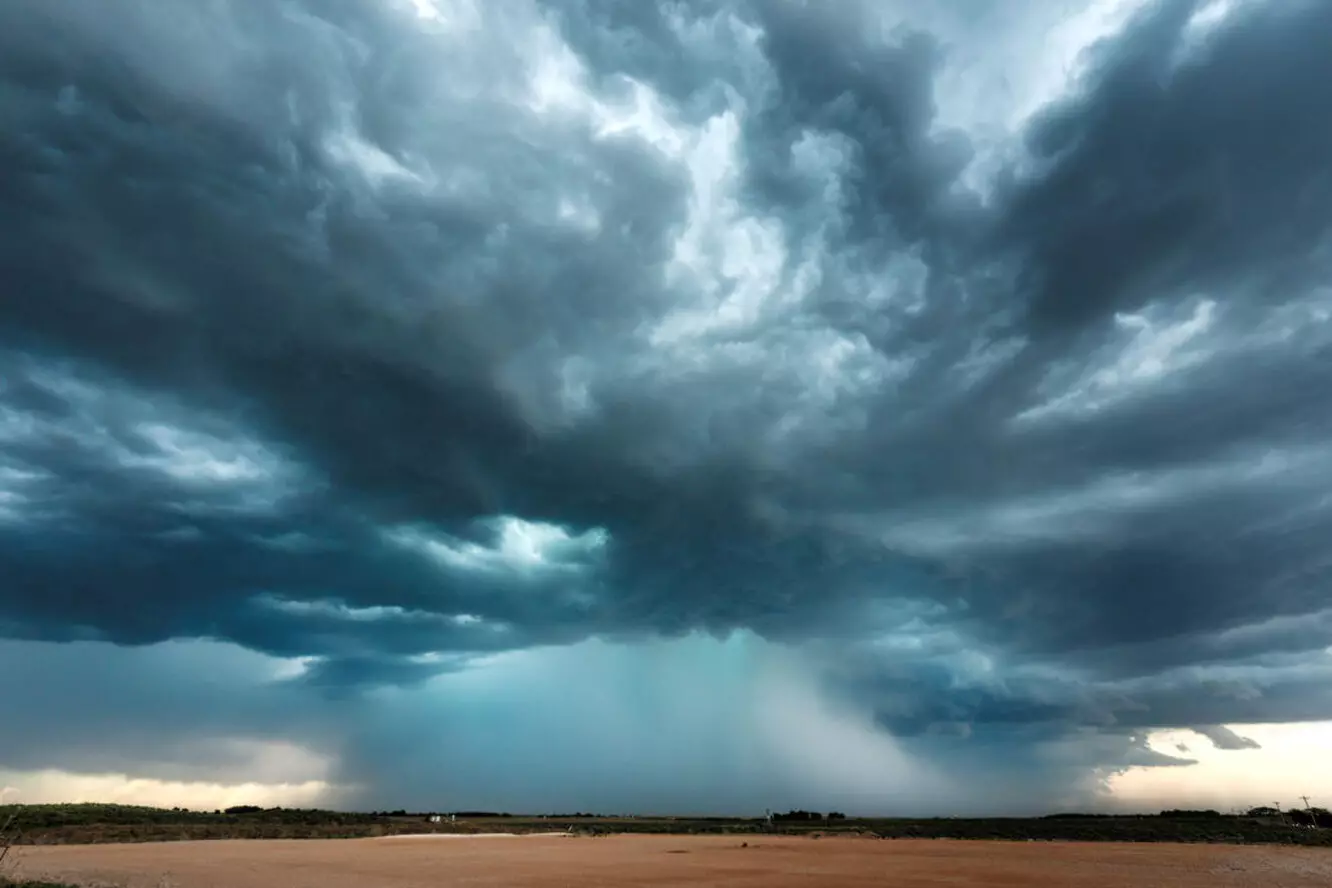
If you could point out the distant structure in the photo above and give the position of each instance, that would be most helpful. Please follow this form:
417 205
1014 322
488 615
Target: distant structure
435 818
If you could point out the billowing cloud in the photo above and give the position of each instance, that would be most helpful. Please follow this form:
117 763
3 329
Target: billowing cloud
973 359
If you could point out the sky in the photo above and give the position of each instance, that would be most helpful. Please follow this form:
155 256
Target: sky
691 407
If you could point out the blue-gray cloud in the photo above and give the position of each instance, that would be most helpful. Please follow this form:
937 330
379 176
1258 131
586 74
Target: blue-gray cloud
1224 738
393 336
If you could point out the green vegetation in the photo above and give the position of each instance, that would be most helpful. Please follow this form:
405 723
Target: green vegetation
30 817
67 824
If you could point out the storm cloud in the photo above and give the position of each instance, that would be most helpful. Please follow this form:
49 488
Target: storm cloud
970 363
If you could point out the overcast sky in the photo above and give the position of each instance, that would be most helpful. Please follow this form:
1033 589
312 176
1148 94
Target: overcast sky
690 406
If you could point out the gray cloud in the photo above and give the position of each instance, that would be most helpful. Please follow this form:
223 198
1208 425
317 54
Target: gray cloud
1224 738
189 711
394 342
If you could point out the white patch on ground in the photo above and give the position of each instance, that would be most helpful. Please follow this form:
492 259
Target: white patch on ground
472 835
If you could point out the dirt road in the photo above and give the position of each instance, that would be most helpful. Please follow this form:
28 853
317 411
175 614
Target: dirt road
549 861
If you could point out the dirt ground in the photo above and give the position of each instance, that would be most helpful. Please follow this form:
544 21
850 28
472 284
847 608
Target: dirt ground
767 862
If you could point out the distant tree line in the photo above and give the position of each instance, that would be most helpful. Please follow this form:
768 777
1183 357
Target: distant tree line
1298 816
1319 817
800 816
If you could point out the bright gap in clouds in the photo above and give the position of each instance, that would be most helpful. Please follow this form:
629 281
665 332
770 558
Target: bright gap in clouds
1290 761
264 773
515 545
53 786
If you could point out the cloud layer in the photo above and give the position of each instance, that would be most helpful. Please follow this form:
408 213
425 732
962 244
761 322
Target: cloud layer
978 364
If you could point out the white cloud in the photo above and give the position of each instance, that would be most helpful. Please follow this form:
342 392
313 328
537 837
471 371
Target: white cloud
517 546
1207 19
1003 66
1098 508
1149 349
335 610
745 320
375 164
209 463
338 611
197 457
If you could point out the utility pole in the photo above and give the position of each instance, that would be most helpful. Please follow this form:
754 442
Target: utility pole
6 840
1313 818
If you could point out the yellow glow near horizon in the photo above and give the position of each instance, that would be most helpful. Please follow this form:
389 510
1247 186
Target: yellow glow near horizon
51 786
1294 760
256 772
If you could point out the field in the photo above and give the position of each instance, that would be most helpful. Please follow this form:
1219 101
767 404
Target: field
89 824
60 845
645 860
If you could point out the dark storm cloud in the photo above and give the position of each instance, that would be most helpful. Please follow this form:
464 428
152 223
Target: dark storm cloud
392 342
876 93
1151 183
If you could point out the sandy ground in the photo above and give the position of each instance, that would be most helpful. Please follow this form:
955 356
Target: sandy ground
549 861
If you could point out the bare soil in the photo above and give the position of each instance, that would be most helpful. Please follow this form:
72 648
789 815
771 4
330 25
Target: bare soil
628 860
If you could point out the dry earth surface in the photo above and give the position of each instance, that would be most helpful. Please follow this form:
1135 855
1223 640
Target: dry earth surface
767 862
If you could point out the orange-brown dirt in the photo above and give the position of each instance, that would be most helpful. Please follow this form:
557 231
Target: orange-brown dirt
767 862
